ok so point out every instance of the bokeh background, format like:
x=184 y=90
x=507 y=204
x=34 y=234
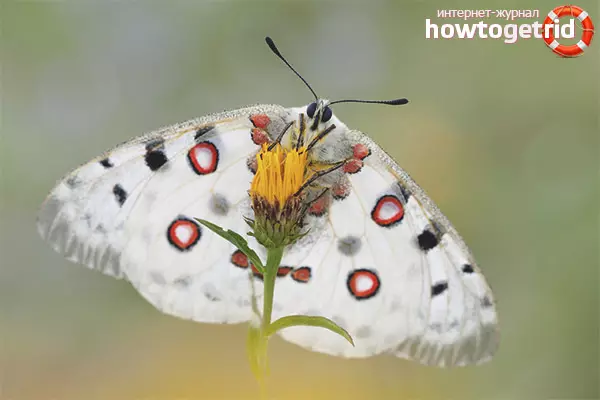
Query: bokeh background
x=503 y=137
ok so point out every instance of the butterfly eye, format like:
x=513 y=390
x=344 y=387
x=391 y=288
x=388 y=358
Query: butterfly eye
x=311 y=109
x=327 y=114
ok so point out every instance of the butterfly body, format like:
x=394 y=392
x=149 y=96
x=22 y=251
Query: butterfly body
x=379 y=258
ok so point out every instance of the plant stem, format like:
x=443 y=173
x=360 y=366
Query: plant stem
x=258 y=335
x=274 y=257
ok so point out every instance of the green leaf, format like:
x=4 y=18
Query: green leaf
x=237 y=240
x=306 y=320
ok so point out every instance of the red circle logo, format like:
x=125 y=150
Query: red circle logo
x=548 y=26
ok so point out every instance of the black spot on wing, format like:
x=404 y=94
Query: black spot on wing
x=106 y=163
x=211 y=293
x=349 y=245
x=467 y=269
x=439 y=288
x=203 y=131
x=486 y=302
x=120 y=194
x=183 y=281
x=218 y=204
x=155 y=154
x=72 y=181
x=155 y=159
x=427 y=240
x=211 y=297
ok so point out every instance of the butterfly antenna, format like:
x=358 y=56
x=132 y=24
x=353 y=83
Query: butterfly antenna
x=275 y=50
x=395 y=102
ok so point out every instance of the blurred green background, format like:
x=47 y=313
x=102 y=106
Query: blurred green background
x=503 y=137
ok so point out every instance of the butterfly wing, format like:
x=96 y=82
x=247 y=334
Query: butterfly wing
x=130 y=213
x=385 y=264
x=380 y=260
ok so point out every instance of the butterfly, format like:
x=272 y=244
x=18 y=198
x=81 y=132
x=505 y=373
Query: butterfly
x=379 y=258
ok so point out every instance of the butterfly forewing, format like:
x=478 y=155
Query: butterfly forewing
x=85 y=214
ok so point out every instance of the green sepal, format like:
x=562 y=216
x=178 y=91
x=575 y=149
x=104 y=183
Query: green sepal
x=249 y=221
x=306 y=320
x=238 y=241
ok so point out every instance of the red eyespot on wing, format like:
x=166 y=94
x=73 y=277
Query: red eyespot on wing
x=283 y=271
x=340 y=191
x=361 y=151
x=388 y=211
x=363 y=283
x=353 y=166
x=259 y=136
x=302 y=274
x=260 y=120
x=319 y=207
x=183 y=233
x=239 y=259
x=204 y=158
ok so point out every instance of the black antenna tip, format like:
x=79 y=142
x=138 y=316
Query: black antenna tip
x=272 y=46
x=398 y=102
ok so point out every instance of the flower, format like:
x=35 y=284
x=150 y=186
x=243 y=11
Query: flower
x=276 y=195
x=280 y=173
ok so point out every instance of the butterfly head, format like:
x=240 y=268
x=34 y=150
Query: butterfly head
x=318 y=112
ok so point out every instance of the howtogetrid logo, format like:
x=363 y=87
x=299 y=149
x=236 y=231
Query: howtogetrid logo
x=550 y=30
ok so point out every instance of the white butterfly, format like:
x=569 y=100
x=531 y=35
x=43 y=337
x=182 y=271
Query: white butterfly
x=380 y=259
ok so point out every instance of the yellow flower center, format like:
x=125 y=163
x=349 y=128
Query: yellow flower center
x=279 y=173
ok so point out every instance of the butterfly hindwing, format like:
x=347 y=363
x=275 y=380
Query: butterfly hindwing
x=387 y=266
x=354 y=281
